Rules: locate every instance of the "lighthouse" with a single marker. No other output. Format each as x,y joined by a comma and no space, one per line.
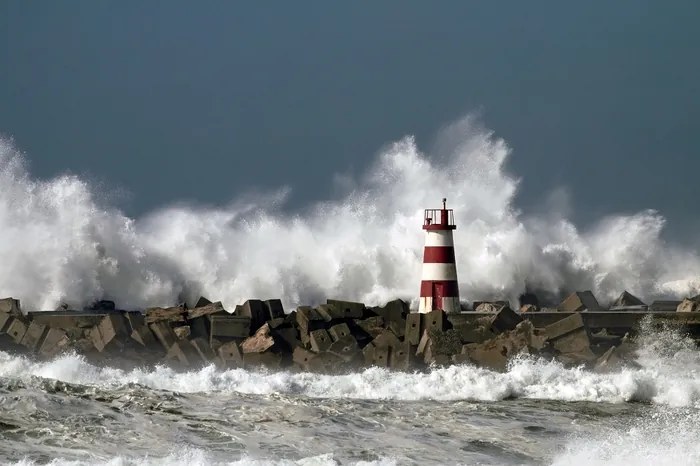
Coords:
438,287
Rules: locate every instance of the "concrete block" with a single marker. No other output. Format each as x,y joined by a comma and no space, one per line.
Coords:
374,356
54,342
67,319
339,331
170,314
230,354
490,307
688,305
201,302
111,330
286,337
303,357
260,342
346,348
182,332
400,357
229,326
579,301
308,319
626,300
267,359
138,330
319,340
164,334
577,341
566,325
203,349
10,306
277,322
16,330
256,310
346,309
504,319
386,339
5,321
371,326
274,308
201,311
413,328
472,333
184,352
398,327
34,336
664,306
528,308
436,319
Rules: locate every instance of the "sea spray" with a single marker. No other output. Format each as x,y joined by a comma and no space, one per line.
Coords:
59,244
666,379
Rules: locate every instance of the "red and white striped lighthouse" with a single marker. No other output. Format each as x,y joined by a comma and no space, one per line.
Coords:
438,287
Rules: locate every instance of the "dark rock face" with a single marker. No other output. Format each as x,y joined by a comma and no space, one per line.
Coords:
333,337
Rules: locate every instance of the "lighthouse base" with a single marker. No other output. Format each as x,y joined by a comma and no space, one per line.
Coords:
449,305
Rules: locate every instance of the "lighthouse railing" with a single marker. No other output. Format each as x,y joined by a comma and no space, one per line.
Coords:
434,217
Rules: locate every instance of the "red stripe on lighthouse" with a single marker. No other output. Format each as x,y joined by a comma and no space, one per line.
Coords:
439,255
449,287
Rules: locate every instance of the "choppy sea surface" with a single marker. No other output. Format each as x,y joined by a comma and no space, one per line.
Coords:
67,411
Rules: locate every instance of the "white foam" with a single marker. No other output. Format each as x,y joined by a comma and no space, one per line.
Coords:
188,456
59,243
668,437
668,378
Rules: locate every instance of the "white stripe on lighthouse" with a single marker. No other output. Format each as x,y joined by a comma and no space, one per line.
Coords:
439,238
439,272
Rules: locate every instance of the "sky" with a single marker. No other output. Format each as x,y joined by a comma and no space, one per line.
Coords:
167,101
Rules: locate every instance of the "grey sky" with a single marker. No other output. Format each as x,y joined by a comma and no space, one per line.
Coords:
201,101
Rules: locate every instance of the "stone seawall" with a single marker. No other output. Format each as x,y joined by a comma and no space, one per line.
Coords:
340,335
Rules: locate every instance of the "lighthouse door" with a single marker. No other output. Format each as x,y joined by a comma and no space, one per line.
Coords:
438,293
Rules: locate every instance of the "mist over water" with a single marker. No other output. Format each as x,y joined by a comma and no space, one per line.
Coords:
60,244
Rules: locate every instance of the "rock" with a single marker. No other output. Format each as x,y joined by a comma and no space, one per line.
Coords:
274,308
489,307
627,299
505,319
346,309
319,340
260,342
230,354
474,333
182,332
171,314
67,319
339,331
579,301
414,329
689,305
34,336
54,342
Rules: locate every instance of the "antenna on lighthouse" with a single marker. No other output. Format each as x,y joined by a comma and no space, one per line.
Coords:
438,288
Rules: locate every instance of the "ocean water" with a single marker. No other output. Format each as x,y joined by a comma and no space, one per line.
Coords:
67,411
